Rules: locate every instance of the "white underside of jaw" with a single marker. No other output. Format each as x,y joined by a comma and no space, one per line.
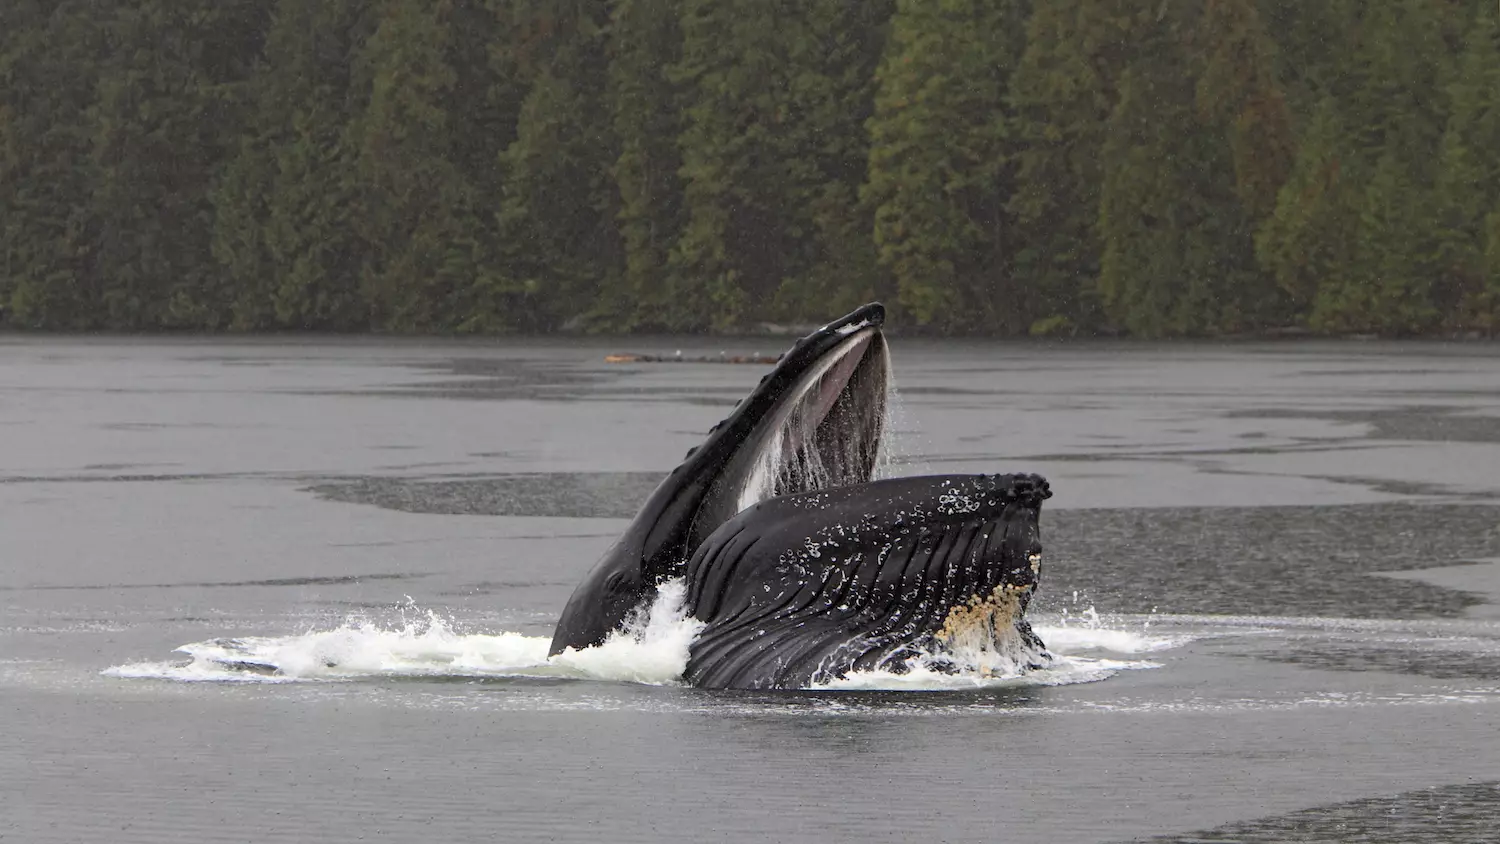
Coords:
794,424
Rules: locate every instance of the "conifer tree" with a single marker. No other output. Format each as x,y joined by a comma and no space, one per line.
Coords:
1178,256
557,210
645,41
939,176
419,253
1385,287
1063,92
1396,100
287,204
170,105
1393,120
1467,187
1486,307
772,154
492,165
1238,89
1313,43
50,57
842,47
1308,239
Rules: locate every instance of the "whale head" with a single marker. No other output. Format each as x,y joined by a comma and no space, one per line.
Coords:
814,422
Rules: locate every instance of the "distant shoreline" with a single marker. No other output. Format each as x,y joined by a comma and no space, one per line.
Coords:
786,333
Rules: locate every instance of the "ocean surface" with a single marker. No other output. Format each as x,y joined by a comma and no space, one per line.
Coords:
284,589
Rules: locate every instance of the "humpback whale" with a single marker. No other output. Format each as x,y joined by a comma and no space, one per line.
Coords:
801,567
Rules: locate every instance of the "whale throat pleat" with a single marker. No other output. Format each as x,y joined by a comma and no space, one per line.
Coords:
798,621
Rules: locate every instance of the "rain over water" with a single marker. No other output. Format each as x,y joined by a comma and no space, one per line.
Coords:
303,590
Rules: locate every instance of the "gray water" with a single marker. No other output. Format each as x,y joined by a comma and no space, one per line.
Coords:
1280,562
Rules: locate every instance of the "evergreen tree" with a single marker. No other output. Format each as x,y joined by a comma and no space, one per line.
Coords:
1393,122
287,204
556,215
1239,90
939,175
492,165
772,155
1468,180
483,109
644,43
417,214
1178,256
1313,46
1385,288
50,56
1063,92
1308,237
1396,101
169,108
1487,303
835,102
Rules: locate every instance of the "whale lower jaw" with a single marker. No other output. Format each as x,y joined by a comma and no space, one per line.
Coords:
927,571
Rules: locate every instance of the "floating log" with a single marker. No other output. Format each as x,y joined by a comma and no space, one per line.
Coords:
681,358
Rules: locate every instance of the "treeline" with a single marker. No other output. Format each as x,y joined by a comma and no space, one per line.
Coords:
1173,167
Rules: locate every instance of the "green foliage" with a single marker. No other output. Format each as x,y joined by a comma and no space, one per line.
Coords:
773,100
48,57
170,102
1385,152
1486,304
1313,47
646,121
1177,244
287,202
996,166
1308,238
557,207
939,172
430,257
1385,287
1468,180
1238,89
1063,92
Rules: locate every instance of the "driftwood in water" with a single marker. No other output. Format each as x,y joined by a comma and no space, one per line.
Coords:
681,358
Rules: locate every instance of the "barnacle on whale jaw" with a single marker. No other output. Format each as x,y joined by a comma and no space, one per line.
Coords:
987,634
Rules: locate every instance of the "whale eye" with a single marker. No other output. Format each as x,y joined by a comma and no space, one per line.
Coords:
615,582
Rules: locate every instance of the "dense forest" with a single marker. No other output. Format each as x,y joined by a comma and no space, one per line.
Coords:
1162,168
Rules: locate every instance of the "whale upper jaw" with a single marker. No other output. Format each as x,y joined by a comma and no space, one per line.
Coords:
814,421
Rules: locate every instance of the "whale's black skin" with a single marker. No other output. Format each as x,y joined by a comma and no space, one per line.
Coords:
815,420
803,569
804,588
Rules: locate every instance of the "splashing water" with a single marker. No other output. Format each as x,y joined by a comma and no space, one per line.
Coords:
651,650
901,446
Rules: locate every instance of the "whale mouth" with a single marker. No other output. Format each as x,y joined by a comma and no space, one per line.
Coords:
814,422
826,430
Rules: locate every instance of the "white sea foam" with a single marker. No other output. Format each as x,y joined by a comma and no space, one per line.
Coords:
1063,671
653,650
1081,652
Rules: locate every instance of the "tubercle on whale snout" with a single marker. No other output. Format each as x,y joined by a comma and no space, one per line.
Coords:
970,496
1029,489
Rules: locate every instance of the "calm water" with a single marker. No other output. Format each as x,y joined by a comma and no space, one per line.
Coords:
1273,571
